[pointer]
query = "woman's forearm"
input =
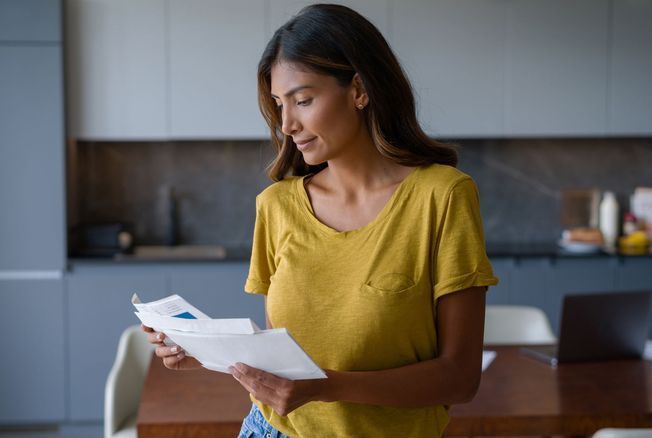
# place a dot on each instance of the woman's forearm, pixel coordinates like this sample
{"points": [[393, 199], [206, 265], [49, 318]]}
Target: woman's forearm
{"points": [[427, 383]]}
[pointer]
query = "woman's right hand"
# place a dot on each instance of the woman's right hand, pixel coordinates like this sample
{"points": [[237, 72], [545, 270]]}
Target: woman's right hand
{"points": [[173, 357]]}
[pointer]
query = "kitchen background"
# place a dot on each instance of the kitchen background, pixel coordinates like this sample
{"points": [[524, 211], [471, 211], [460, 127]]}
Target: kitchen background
{"points": [[106, 105]]}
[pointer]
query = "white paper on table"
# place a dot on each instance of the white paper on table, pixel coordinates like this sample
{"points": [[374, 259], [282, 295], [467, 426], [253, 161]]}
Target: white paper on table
{"points": [[647, 352], [272, 350], [173, 305], [487, 358], [241, 326]]}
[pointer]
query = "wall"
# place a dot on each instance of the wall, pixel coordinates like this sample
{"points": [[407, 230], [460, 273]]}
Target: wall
{"points": [[519, 182]]}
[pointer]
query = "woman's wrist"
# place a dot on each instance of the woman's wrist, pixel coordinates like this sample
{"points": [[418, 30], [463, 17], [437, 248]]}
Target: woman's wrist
{"points": [[329, 389]]}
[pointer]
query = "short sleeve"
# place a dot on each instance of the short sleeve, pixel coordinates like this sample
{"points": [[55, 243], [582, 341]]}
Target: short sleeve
{"points": [[460, 259], [262, 265]]}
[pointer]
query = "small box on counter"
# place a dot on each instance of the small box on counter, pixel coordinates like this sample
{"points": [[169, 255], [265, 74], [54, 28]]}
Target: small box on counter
{"points": [[641, 206]]}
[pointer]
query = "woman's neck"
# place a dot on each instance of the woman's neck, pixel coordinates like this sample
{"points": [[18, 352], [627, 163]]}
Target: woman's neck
{"points": [[363, 170]]}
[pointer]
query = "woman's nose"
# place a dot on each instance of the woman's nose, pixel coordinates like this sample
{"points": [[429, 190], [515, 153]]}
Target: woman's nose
{"points": [[289, 125]]}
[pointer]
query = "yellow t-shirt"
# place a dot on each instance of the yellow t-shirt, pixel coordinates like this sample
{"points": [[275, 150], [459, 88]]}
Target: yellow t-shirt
{"points": [[365, 299]]}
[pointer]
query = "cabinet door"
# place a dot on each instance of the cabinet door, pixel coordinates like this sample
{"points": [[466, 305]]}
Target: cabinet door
{"points": [[556, 67], [630, 72], [503, 269], [30, 20], [116, 69], [99, 309], [32, 376], [633, 273], [32, 229], [218, 290], [215, 46], [529, 285], [453, 53]]}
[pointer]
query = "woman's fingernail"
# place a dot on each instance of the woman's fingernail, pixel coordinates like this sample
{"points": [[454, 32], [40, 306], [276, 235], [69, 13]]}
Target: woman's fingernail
{"points": [[180, 356], [159, 336], [174, 349]]}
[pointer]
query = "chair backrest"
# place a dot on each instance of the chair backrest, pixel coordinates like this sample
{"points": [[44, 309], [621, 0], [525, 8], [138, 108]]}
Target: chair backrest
{"points": [[513, 325], [623, 433], [126, 378]]}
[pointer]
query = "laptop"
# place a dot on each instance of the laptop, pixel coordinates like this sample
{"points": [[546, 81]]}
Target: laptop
{"points": [[602, 326]]}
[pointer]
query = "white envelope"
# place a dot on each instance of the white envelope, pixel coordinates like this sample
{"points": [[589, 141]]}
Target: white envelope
{"points": [[272, 350], [241, 326]]}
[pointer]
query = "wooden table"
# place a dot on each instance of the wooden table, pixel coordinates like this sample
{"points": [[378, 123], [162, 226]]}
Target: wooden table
{"points": [[198, 403], [518, 396], [522, 396]]}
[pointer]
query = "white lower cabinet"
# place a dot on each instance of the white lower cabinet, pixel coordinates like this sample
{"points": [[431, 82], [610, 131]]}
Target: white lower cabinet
{"points": [[32, 372], [99, 308]]}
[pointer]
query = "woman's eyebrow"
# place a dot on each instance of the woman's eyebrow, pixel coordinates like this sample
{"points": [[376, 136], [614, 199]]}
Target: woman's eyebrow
{"points": [[294, 90]]}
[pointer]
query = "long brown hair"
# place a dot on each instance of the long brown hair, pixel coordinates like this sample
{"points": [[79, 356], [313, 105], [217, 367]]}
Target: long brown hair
{"points": [[337, 41]]}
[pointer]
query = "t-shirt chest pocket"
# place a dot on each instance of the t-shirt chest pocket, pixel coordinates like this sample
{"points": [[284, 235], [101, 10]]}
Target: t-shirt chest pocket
{"points": [[391, 288]]}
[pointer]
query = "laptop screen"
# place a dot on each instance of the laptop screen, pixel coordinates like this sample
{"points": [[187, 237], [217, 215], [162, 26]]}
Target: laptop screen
{"points": [[602, 326]]}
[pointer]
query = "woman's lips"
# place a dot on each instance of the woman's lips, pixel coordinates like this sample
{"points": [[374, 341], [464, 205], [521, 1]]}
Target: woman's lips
{"points": [[303, 145]]}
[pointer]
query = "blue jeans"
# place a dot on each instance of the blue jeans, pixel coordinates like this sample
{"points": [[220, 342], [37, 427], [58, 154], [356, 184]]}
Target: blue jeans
{"points": [[255, 426]]}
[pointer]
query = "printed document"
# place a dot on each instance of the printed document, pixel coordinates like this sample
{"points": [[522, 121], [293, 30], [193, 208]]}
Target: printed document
{"points": [[173, 305], [220, 343], [487, 358]]}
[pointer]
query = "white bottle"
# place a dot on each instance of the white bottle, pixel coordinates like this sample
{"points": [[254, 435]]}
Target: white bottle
{"points": [[609, 219]]}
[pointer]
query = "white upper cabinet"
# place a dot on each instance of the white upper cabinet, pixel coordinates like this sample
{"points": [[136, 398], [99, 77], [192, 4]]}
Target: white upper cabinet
{"points": [[630, 74], [376, 11], [186, 69], [453, 54], [556, 68], [214, 49], [116, 69]]}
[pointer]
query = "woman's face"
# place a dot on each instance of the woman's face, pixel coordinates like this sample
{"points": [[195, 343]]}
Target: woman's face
{"points": [[319, 114]]}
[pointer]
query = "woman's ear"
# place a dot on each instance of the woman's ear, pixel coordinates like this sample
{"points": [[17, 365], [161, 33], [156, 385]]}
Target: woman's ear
{"points": [[360, 98]]}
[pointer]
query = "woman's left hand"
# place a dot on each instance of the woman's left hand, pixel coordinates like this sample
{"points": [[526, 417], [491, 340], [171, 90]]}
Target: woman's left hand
{"points": [[282, 395]]}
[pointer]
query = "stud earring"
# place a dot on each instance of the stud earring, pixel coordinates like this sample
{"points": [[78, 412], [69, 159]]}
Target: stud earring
{"points": [[360, 105]]}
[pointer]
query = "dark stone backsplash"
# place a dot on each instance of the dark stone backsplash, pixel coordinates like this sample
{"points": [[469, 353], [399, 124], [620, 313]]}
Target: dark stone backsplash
{"points": [[520, 183], [215, 185]]}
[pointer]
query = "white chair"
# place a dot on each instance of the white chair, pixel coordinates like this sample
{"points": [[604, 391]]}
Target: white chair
{"points": [[125, 383], [623, 433], [516, 325]]}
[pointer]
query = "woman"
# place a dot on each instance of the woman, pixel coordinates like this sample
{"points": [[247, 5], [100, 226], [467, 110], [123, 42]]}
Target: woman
{"points": [[371, 254]]}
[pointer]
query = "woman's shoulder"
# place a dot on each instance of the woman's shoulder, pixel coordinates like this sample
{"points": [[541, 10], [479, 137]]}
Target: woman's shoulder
{"points": [[278, 191], [441, 178]]}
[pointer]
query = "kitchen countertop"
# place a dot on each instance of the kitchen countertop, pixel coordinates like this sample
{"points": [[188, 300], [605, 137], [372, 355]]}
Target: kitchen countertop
{"points": [[545, 249], [172, 254]]}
